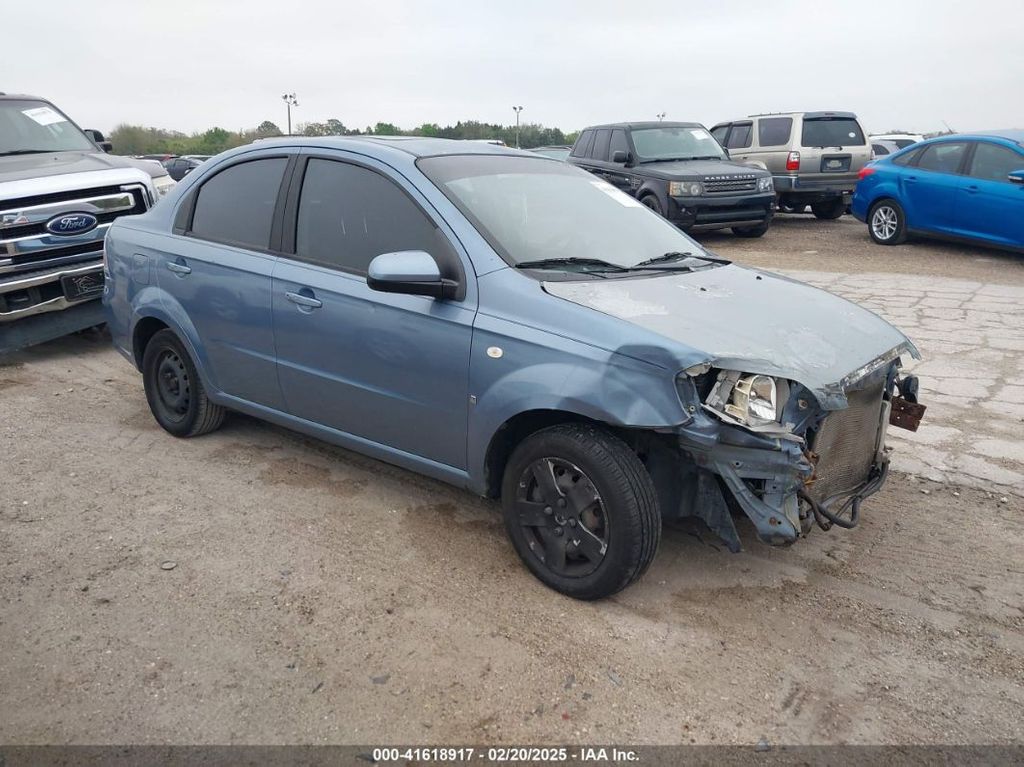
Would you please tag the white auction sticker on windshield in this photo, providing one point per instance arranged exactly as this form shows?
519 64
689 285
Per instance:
697 133
43 115
616 194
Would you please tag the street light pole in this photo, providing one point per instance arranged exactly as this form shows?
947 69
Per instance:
661 116
517 110
290 100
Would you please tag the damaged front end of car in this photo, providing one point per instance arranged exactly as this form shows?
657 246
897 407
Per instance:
785 455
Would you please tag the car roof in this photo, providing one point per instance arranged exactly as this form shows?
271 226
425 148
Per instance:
645 124
416 146
21 96
1017 136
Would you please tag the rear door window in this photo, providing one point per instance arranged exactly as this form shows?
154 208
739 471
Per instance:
879 150
831 132
992 162
774 131
236 206
583 144
739 136
944 157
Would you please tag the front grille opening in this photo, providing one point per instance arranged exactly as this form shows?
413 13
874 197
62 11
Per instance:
19 300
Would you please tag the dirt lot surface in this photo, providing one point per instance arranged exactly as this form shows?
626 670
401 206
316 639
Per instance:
316 596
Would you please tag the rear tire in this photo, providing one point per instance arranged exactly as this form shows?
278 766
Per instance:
174 391
581 510
830 210
751 231
887 223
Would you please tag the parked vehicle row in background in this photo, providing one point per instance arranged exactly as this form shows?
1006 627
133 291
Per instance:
814 157
678 170
59 193
962 186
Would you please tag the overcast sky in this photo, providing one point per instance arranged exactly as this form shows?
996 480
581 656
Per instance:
191 64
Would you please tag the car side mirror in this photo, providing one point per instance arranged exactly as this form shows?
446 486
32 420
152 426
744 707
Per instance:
98 140
621 157
413 272
1016 176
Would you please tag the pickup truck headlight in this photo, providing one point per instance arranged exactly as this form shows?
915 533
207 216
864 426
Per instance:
765 184
685 189
749 398
163 184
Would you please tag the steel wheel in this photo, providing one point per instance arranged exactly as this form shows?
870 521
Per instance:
563 516
173 387
884 222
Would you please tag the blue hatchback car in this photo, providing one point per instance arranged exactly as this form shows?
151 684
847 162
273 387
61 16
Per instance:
512 325
960 187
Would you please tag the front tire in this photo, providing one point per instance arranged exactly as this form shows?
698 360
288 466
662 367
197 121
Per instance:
887 223
830 210
174 391
581 510
651 202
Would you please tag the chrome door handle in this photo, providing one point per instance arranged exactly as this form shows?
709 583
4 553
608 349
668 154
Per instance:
179 268
306 301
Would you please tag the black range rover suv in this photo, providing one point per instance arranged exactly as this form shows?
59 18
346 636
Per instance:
680 171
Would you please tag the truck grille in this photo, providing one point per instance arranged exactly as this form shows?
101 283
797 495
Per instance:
845 445
729 184
25 243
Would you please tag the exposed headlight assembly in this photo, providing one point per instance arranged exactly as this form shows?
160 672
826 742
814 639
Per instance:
685 189
749 398
765 184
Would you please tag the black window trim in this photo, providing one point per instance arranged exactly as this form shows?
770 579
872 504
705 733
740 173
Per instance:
185 213
451 262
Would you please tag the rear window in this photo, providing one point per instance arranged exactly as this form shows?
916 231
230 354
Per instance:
831 132
774 131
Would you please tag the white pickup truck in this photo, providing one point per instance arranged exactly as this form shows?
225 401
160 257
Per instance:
59 192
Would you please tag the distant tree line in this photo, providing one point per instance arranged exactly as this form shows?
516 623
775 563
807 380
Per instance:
137 140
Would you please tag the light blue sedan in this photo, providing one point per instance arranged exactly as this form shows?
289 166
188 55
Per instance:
511 325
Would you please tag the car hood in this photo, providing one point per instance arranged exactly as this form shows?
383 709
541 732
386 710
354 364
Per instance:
736 318
27 166
698 169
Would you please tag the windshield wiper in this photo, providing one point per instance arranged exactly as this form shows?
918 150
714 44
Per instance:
26 151
664 261
709 157
557 263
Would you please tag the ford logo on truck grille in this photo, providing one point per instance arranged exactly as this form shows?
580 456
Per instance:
67 224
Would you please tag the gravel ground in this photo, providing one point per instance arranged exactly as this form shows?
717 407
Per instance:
255 586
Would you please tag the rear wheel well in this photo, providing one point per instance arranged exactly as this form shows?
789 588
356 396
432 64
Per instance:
146 328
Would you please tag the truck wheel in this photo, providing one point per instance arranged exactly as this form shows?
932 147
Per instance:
751 231
829 210
175 394
887 224
581 510
652 202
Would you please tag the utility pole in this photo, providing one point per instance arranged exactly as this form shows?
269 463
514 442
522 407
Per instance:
517 110
290 100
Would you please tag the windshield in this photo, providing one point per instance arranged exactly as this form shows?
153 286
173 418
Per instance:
832 131
675 143
35 126
531 210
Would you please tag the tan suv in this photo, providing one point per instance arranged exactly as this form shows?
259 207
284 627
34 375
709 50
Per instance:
814 157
